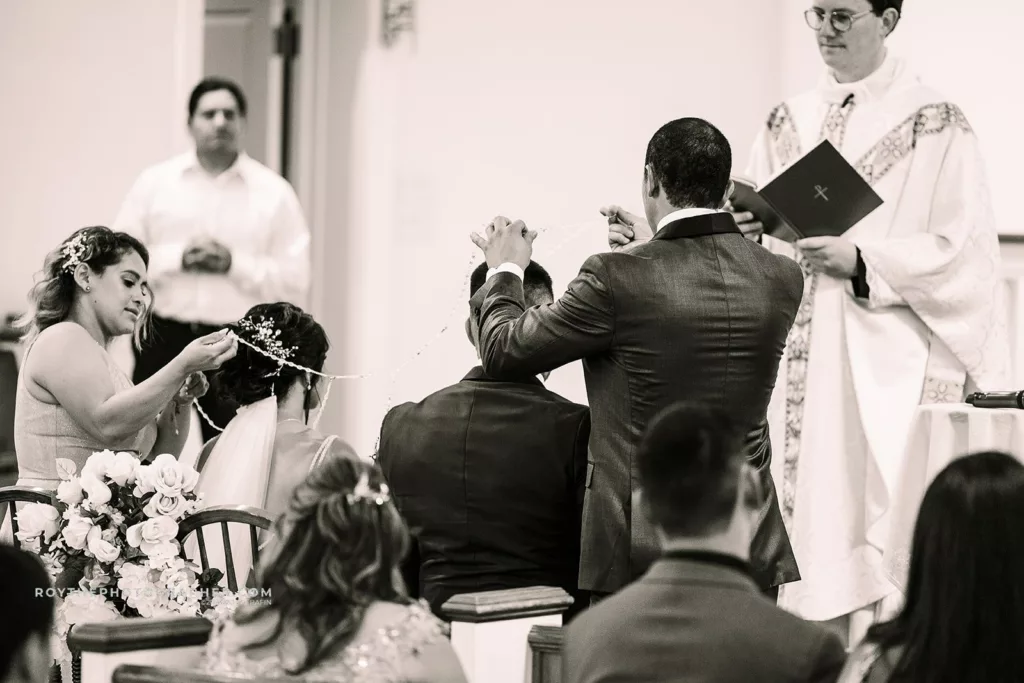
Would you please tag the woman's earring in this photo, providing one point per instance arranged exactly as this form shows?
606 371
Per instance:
88 288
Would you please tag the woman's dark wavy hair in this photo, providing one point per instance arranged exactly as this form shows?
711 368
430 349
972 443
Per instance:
250 376
963 618
336 557
53 294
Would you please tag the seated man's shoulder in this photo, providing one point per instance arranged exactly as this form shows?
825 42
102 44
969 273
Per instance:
786 642
795 637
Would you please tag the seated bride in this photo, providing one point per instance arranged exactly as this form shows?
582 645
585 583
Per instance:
268 447
336 609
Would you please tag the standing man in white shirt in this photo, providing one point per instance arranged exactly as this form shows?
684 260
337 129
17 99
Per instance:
224 233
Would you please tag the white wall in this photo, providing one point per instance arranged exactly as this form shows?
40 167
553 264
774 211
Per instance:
970 53
93 92
533 109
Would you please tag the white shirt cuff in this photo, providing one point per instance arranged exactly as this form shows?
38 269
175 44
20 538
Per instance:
506 267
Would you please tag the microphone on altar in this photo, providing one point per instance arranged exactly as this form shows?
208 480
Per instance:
997 399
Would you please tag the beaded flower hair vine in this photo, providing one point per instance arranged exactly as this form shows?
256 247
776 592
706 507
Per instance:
263 333
265 341
74 252
364 492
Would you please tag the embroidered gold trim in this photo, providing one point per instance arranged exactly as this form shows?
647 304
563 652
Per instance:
784 139
931 119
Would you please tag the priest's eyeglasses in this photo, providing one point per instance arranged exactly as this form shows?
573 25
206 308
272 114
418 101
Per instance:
841 20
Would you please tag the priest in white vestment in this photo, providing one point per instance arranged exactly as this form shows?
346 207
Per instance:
900 311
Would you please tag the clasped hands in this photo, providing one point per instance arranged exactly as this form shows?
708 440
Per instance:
506 241
206 255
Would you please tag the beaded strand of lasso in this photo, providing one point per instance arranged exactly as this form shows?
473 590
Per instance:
573 231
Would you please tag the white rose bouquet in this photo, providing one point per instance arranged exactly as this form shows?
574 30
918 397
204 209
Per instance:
111 544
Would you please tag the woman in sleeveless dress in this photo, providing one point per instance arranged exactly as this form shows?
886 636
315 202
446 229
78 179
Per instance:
72 399
268 448
964 611
336 609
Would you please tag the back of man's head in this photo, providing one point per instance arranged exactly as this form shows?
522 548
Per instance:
536 285
691 160
689 462
28 616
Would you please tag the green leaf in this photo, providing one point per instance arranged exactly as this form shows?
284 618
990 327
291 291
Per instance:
210 578
74 570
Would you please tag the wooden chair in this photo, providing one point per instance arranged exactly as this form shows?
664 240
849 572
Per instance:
546 653
12 495
135 673
255 518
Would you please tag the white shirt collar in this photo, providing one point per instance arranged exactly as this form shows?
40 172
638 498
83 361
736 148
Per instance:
683 213
191 163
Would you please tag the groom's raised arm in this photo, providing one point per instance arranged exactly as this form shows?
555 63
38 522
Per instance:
519 342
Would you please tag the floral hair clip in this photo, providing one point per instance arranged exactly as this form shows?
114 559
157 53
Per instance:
74 252
264 334
363 491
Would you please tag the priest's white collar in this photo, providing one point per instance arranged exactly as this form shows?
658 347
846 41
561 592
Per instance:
874 86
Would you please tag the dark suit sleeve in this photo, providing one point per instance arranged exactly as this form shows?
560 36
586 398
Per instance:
410 565
516 342
581 460
829 660
861 289
381 456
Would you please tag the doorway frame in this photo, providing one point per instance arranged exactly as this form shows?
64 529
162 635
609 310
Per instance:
310 112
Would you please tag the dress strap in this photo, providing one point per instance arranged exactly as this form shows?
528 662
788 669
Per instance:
321 452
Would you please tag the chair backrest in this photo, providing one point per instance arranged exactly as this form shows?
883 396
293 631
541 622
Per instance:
255 518
10 496
135 673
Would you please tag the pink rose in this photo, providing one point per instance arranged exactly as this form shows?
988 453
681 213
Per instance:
103 550
160 505
152 534
76 533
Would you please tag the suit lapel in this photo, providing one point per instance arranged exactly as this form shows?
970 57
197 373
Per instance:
477 374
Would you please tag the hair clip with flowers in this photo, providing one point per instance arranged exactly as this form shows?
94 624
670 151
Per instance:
363 491
264 337
74 252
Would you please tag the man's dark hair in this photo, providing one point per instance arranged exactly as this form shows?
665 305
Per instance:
691 160
213 84
879 6
23 592
536 283
689 462
961 619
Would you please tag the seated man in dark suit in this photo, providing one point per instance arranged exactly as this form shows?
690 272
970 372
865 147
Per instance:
490 476
697 615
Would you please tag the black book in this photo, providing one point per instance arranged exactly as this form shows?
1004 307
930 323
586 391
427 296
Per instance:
820 194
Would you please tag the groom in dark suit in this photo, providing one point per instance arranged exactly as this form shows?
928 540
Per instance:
489 476
696 313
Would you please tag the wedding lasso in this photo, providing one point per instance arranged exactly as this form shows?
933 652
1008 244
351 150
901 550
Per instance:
573 231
